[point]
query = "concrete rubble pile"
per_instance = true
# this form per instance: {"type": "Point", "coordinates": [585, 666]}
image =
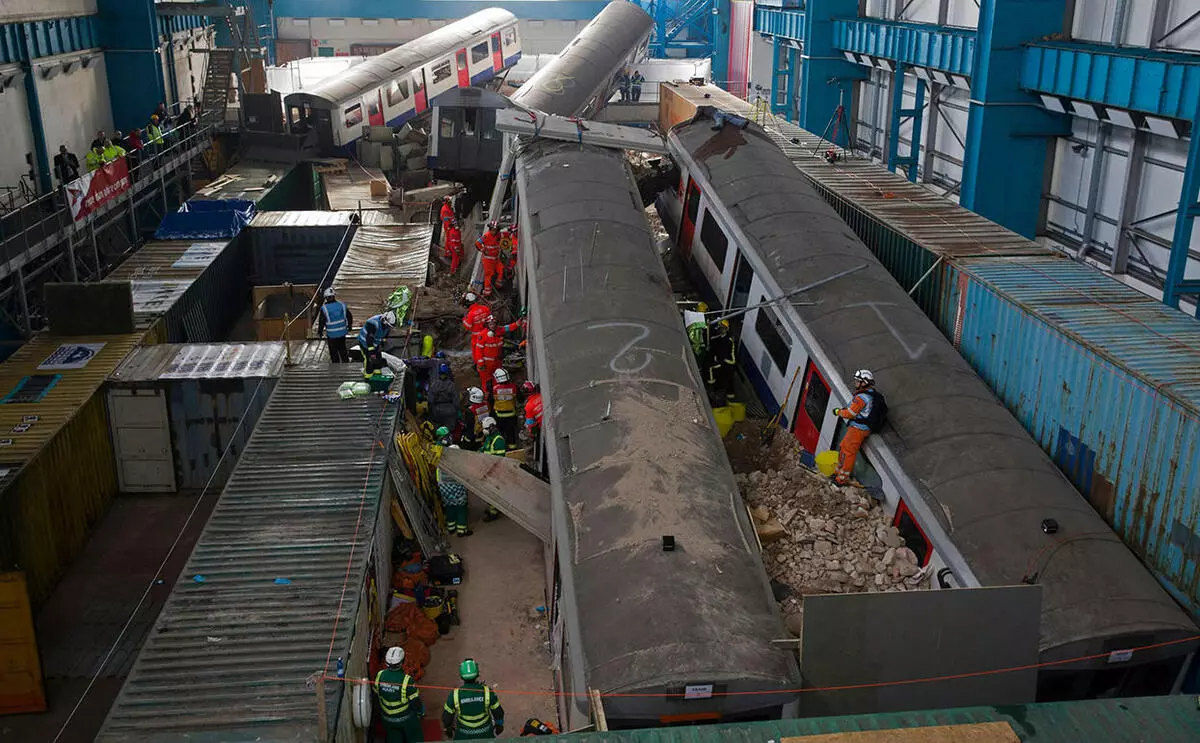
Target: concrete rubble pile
{"type": "Point", "coordinates": [819, 538]}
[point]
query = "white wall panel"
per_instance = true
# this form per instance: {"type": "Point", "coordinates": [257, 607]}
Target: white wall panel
{"type": "Point", "coordinates": [18, 137]}
{"type": "Point", "coordinates": [74, 105]}
{"type": "Point", "coordinates": [28, 10]}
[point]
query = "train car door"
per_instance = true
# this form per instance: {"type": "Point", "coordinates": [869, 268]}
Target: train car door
{"type": "Point", "coordinates": [687, 226]}
{"type": "Point", "coordinates": [420, 102]}
{"type": "Point", "coordinates": [375, 108]}
{"type": "Point", "coordinates": [814, 399]}
{"type": "Point", "coordinates": [464, 72]}
{"type": "Point", "coordinates": [497, 53]}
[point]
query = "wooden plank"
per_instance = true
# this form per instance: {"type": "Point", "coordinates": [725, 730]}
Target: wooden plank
{"type": "Point", "coordinates": [503, 483]}
{"type": "Point", "coordinates": [982, 732]}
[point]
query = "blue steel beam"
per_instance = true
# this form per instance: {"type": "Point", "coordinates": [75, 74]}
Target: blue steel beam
{"type": "Point", "coordinates": [1158, 83]}
{"type": "Point", "coordinates": [21, 42]}
{"type": "Point", "coordinates": [129, 31]}
{"type": "Point", "coordinates": [827, 81]}
{"type": "Point", "coordinates": [784, 23]}
{"type": "Point", "coordinates": [899, 113]}
{"type": "Point", "coordinates": [944, 48]}
{"type": "Point", "coordinates": [1006, 153]}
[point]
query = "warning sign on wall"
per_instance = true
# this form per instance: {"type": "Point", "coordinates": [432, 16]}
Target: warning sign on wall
{"type": "Point", "coordinates": [71, 356]}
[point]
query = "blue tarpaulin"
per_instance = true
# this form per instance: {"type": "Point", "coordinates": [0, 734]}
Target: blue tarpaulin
{"type": "Point", "coordinates": [206, 220]}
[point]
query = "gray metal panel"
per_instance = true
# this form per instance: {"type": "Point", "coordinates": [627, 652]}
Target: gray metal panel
{"type": "Point", "coordinates": [375, 71]}
{"type": "Point", "coordinates": [228, 656]}
{"type": "Point", "coordinates": [635, 455]}
{"type": "Point", "coordinates": [866, 638]}
{"type": "Point", "coordinates": [977, 464]}
{"type": "Point", "coordinates": [589, 64]}
{"type": "Point", "coordinates": [298, 246]}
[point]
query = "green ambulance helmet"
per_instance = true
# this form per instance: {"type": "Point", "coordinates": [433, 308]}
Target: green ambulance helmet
{"type": "Point", "coordinates": [469, 670]}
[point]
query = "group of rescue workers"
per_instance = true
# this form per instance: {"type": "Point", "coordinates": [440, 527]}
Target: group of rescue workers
{"type": "Point", "coordinates": [491, 245]}
{"type": "Point", "coordinates": [471, 712]}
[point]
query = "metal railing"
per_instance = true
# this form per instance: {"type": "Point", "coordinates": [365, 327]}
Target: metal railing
{"type": "Point", "coordinates": [29, 231]}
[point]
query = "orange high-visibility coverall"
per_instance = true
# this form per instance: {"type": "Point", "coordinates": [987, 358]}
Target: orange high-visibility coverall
{"type": "Point", "coordinates": [493, 269]}
{"type": "Point", "coordinates": [454, 247]}
{"type": "Point", "coordinates": [856, 433]}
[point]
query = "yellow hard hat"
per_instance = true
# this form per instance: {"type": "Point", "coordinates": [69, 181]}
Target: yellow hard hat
{"type": "Point", "coordinates": [702, 307]}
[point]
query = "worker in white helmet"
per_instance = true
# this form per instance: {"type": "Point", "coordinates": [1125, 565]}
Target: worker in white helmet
{"type": "Point", "coordinates": [400, 705]}
{"type": "Point", "coordinates": [371, 339]}
{"type": "Point", "coordinates": [865, 415]}
{"type": "Point", "coordinates": [334, 322]}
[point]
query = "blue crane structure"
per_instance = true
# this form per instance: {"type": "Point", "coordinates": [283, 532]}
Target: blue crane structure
{"type": "Point", "coordinates": [1025, 78]}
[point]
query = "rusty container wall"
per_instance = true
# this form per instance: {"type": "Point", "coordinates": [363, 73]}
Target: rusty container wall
{"type": "Point", "coordinates": [1053, 339]}
{"type": "Point", "coordinates": [56, 457]}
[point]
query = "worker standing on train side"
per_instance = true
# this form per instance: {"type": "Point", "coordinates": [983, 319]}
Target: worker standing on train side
{"type": "Point", "coordinates": [722, 360]}
{"type": "Point", "coordinates": [865, 414]}
{"type": "Point", "coordinates": [489, 246]}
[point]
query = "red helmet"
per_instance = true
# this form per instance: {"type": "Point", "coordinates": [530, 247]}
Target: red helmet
{"type": "Point", "coordinates": [528, 387]}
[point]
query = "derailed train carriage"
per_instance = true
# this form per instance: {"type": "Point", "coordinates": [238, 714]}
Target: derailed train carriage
{"type": "Point", "coordinates": [660, 597]}
{"type": "Point", "coordinates": [968, 487]}
{"type": "Point", "coordinates": [405, 82]}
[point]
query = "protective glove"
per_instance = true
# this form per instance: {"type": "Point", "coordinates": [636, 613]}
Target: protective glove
{"type": "Point", "coordinates": [837, 411]}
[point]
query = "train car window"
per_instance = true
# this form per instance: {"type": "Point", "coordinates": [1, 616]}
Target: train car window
{"type": "Point", "coordinates": [462, 60]}
{"type": "Point", "coordinates": [470, 119]}
{"type": "Point", "coordinates": [418, 83]}
{"type": "Point", "coordinates": [447, 128]}
{"type": "Point", "coordinates": [693, 205]}
{"type": "Point", "coordinates": [353, 115]}
{"type": "Point", "coordinates": [773, 337]}
{"type": "Point", "coordinates": [373, 108]}
{"type": "Point", "coordinates": [510, 36]}
{"type": "Point", "coordinates": [914, 538]}
{"type": "Point", "coordinates": [397, 92]}
{"type": "Point", "coordinates": [816, 401]}
{"type": "Point", "coordinates": [714, 240]}
{"type": "Point", "coordinates": [479, 52]}
{"type": "Point", "coordinates": [441, 72]}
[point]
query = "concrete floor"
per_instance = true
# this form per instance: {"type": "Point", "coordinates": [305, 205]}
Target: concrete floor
{"type": "Point", "coordinates": [501, 628]}
{"type": "Point", "coordinates": [82, 619]}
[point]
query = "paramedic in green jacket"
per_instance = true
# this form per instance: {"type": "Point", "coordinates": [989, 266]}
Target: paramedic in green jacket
{"type": "Point", "coordinates": [400, 705]}
{"type": "Point", "coordinates": [473, 710]}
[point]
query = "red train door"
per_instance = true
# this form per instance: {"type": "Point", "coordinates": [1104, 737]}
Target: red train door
{"type": "Point", "coordinates": [687, 224]}
{"type": "Point", "coordinates": [420, 102]}
{"type": "Point", "coordinates": [464, 72]}
{"type": "Point", "coordinates": [814, 399]}
{"type": "Point", "coordinates": [497, 53]}
{"type": "Point", "coordinates": [375, 110]}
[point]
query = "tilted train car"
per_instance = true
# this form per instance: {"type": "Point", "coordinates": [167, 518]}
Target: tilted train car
{"type": "Point", "coordinates": [403, 83]}
{"type": "Point", "coordinates": [969, 488]}
{"type": "Point", "coordinates": [582, 78]}
{"type": "Point", "coordinates": [658, 579]}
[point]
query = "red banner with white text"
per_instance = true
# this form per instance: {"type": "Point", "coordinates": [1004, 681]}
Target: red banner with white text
{"type": "Point", "coordinates": [90, 192]}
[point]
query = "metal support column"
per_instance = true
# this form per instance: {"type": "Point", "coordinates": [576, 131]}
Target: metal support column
{"type": "Point", "coordinates": [794, 72]}
{"type": "Point", "coordinates": [23, 298]}
{"type": "Point", "coordinates": [34, 106]}
{"type": "Point", "coordinates": [827, 81]}
{"type": "Point", "coordinates": [1175, 285]}
{"type": "Point", "coordinates": [775, 74]}
{"type": "Point", "coordinates": [1006, 150]}
{"type": "Point", "coordinates": [915, 114]}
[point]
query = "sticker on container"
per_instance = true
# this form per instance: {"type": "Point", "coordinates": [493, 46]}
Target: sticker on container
{"type": "Point", "coordinates": [1120, 656]}
{"type": "Point", "coordinates": [6, 442]}
{"type": "Point", "coordinates": [698, 691]}
{"type": "Point", "coordinates": [21, 428]}
{"type": "Point", "coordinates": [198, 255]}
{"type": "Point", "coordinates": [30, 418]}
{"type": "Point", "coordinates": [71, 356]}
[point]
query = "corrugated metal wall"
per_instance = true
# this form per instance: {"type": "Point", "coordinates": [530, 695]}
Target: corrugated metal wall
{"type": "Point", "coordinates": [205, 416]}
{"type": "Point", "coordinates": [298, 246]}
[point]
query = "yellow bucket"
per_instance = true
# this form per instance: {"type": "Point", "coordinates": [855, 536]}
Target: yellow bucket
{"type": "Point", "coordinates": [739, 411]}
{"type": "Point", "coordinates": [724, 417]}
{"type": "Point", "coordinates": [827, 462]}
{"type": "Point", "coordinates": [427, 346]}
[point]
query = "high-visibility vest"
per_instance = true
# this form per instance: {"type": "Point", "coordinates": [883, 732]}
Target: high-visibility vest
{"type": "Point", "coordinates": [395, 699]}
{"type": "Point", "coordinates": [473, 720]}
{"type": "Point", "coordinates": [112, 152]}
{"type": "Point", "coordinates": [533, 409]}
{"type": "Point", "coordinates": [378, 332]}
{"type": "Point", "coordinates": [476, 314]}
{"type": "Point", "coordinates": [489, 244]}
{"type": "Point", "coordinates": [495, 444]}
{"type": "Point", "coordinates": [154, 134]}
{"type": "Point", "coordinates": [94, 160]}
{"type": "Point", "coordinates": [335, 319]}
{"type": "Point", "coordinates": [491, 346]}
{"type": "Point", "coordinates": [447, 214]}
{"type": "Point", "coordinates": [504, 400]}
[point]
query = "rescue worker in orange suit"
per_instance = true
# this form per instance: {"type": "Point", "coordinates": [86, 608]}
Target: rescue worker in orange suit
{"type": "Point", "coordinates": [504, 405]}
{"type": "Point", "coordinates": [447, 216]}
{"type": "Point", "coordinates": [533, 419]}
{"type": "Point", "coordinates": [454, 247]}
{"type": "Point", "coordinates": [491, 353]}
{"type": "Point", "coordinates": [489, 246]}
{"type": "Point", "coordinates": [474, 321]}
{"type": "Point", "coordinates": [857, 414]}
{"type": "Point", "coordinates": [722, 360]}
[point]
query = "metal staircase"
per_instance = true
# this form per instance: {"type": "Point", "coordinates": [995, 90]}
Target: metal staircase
{"type": "Point", "coordinates": [216, 86]}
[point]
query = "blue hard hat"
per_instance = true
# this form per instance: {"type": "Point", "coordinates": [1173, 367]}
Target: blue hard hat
{"type": "Point", "coordinates": [440, 355]}
{"type": "Point", "coordinates": [444, 368]}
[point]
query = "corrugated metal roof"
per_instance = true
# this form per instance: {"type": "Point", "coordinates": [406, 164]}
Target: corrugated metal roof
{"type": "Point", "coordinates": [202, 361]}
{"type": "Point", "coordinates": [351, 190]}
{"type": "Point", "coordinates": [247, 180]}
{"type": "Point", "coordinates": [1141, 720]}
{"type": "Point", "coordinates": [301, 219]}
{"type": "Point", "coordinates": [380, 258]}
{"type": "Point", "coordinates": [229, 654]}
{"type": "Point", "coordinates": [99, 355]}
{"type": "Point", "coordinates": [165, 260]}
{"type": "Point", "coordinates": [1135, 332]}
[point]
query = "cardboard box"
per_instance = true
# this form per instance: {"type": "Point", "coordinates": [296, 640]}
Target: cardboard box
{"type": "Point", "coordinates": [379, 187]}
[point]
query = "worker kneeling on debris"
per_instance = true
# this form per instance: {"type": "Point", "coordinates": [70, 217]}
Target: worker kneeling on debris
{"type": "Point", "coordinates": [400, 703]}
{"type": "Point", "coordinates": [866, 415]}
